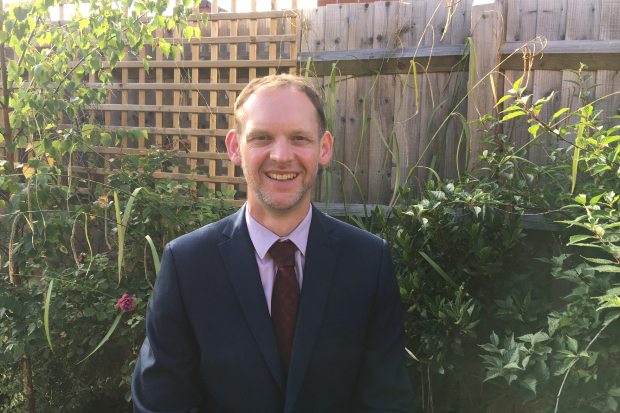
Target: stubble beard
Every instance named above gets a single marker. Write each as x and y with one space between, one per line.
254 186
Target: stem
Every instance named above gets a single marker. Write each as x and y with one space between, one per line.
4 102
28 385
557 402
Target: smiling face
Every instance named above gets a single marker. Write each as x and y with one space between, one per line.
279 150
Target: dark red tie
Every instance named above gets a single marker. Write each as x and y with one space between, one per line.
284 299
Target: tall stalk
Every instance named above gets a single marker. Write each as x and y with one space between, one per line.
29 398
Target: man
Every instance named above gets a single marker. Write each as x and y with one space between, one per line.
277 308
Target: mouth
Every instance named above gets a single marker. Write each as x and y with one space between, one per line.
282 177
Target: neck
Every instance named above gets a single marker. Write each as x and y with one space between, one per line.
279 222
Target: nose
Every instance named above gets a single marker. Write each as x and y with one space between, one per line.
281 151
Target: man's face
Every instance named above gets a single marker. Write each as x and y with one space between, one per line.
280 148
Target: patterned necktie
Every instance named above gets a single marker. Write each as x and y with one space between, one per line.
284 299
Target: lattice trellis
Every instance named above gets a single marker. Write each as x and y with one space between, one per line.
186 103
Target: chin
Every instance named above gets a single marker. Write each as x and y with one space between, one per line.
282 203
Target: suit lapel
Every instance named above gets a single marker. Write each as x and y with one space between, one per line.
321 255
238 256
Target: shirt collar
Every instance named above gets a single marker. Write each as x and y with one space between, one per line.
263 238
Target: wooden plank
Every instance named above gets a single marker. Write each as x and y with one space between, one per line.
314 25
162 108
559 55
609 80
195 78
141 99
520 28
159 97
159 175
278 38
173 86
358 61
358 108
200 64
293 23
176 101
455 146
232 95
551 19
487 18
273 30
163 131
201 178
269 14
150 86
578 12
550 24
408 128
213 94
277 14
125 93
437 20
253 46
181 154
460 23
336 38
382 111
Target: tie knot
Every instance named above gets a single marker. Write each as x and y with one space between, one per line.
283 254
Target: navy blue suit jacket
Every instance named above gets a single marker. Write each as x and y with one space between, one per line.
210 344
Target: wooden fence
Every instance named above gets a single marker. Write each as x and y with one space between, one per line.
186 103
384 37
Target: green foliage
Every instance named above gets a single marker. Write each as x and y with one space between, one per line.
462 259
56 227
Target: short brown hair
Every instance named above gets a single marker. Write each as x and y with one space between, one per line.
278 81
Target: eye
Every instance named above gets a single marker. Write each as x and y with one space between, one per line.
299 138
260 138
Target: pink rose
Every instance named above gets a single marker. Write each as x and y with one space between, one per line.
126 303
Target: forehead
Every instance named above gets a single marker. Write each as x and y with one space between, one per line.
283 108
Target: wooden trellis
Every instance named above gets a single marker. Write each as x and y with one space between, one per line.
186 103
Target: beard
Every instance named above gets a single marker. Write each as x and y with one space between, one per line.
253 182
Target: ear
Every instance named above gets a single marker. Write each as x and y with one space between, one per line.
232 146
326 147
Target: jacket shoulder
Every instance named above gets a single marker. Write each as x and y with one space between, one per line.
351 234
199 238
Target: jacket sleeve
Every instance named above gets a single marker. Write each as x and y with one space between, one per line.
166 375
383 383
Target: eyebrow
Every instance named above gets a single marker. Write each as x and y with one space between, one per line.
255 132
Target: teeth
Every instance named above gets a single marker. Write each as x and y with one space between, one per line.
284 177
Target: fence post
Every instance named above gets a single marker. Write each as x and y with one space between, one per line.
487 34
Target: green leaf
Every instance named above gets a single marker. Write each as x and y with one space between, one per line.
581 198
154 252
89 312
607 268
494 339
106 139
146 65
529 383
578 238
439 270
107 336
165 47
611 316
46 313
572 344
121 235
558 113
553 324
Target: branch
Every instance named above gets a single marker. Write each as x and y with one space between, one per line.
557 402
